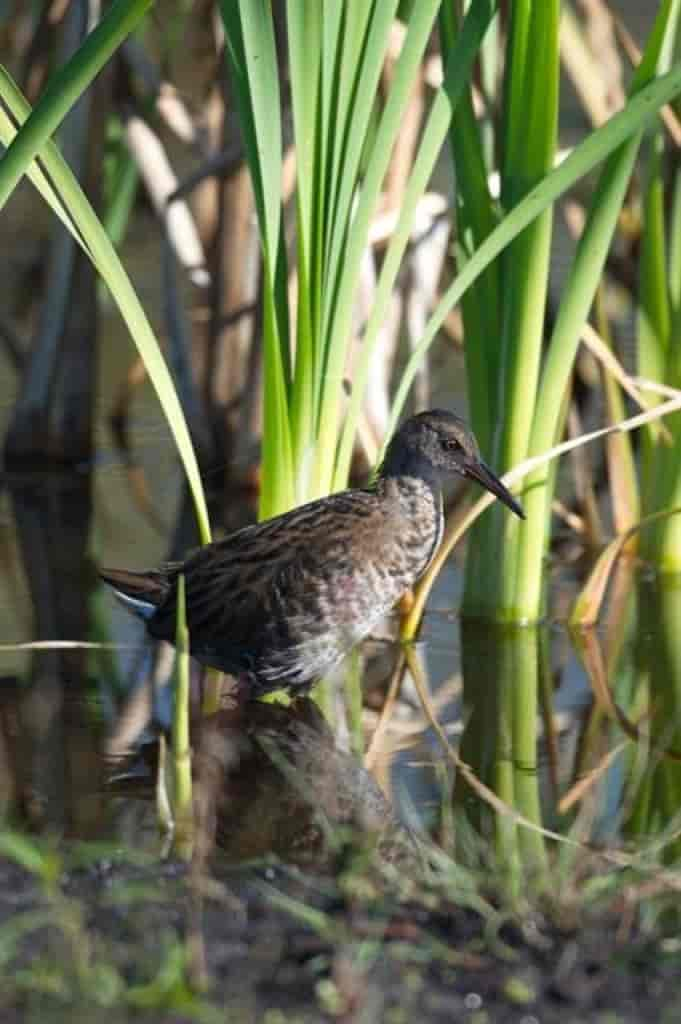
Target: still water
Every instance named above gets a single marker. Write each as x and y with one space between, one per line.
604 742
79 724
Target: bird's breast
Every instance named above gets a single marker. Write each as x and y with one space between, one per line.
421 524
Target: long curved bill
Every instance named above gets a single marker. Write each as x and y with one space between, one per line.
484 475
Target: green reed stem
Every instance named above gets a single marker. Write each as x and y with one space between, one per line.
576 301
183 810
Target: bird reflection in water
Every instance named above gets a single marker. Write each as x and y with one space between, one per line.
270 780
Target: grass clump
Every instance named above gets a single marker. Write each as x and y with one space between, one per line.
364 934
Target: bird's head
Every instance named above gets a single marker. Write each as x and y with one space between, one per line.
437 444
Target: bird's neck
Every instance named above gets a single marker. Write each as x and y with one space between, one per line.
400 465
419 497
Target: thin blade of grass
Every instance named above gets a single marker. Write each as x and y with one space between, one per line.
578 791
588 603
476 216
92 237
588 646
249 34
65 87
346 156
252 59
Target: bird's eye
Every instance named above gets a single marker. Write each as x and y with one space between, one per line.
450 444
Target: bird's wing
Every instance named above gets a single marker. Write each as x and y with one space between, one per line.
285 562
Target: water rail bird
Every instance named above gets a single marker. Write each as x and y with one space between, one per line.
279 603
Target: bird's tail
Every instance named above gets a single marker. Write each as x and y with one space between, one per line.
141 592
